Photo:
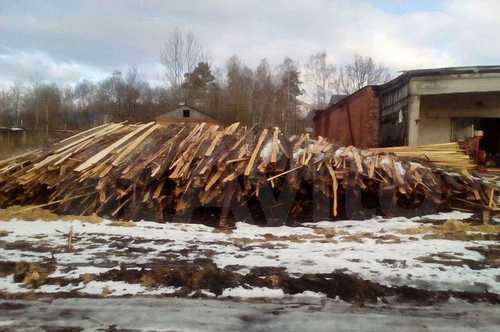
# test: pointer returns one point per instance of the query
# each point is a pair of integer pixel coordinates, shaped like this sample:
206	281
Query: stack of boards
446	154
132	171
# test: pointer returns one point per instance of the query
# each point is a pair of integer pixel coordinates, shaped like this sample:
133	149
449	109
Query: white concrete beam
446	85
413	119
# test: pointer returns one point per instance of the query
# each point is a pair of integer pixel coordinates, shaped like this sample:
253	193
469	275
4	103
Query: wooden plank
213	179
103	153
134	145
250	164
492	193
274	152
211	148
285	173
104	131
334	188
85	132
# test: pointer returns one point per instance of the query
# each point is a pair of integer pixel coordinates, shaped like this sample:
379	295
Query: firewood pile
203	172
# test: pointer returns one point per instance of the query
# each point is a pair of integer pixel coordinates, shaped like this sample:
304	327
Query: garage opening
482	136
490	142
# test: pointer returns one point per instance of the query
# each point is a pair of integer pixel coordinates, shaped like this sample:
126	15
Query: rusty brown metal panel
354	120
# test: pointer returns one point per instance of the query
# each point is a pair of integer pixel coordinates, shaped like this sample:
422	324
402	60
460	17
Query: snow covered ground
375	250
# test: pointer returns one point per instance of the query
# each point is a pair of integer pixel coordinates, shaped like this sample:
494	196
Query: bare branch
321	76
362	72
180	55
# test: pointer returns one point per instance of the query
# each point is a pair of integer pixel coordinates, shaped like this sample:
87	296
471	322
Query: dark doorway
491	140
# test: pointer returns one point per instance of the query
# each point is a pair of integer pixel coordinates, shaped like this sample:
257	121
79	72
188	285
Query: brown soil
204	274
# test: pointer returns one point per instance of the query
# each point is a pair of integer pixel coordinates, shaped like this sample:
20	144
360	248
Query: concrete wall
359	113
438	111
434	130
434	101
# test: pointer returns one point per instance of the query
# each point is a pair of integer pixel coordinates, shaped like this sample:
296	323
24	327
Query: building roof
336	98
185	108
409	74
341	99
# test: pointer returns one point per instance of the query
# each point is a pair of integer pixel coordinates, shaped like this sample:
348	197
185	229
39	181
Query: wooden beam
250	164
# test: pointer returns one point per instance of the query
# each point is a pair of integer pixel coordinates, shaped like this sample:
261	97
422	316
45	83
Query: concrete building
423	107
185	113
441	105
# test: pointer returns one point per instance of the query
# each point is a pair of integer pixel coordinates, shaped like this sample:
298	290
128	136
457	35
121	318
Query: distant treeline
241	95
263	95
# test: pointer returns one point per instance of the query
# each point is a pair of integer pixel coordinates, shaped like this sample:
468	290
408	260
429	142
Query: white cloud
38	66
65	41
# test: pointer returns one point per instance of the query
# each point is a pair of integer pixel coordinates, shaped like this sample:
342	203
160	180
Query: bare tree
321	77
239	90
264	94
181	53
361	72
289	88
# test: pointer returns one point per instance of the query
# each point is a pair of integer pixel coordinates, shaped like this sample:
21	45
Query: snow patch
113	288
253	292
310	294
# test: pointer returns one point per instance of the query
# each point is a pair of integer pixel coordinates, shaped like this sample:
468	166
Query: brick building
352	120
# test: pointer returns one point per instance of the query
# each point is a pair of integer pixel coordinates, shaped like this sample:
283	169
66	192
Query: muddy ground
427	262
298	314
202	278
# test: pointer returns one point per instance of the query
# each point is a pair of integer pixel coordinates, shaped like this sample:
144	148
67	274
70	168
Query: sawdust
329	232
451	227
123	223
147	280
32	274
92	219
87	277
298	238
28	213
358	237
106	291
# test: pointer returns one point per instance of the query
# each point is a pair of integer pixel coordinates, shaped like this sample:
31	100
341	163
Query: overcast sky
66	41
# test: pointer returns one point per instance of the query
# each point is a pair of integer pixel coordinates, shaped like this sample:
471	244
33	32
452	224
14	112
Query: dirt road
173	314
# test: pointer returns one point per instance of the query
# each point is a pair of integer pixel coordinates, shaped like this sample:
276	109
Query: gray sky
66	41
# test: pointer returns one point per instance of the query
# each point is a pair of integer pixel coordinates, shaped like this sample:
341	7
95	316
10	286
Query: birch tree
180	55
320	76
361	72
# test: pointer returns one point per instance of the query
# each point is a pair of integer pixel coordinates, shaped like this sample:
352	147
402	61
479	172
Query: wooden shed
185	113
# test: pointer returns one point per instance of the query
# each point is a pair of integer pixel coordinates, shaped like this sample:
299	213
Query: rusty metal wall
352	121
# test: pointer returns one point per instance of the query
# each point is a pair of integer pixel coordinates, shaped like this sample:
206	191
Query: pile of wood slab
203	172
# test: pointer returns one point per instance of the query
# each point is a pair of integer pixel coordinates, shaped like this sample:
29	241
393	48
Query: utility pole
287	99
17	108
47	119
